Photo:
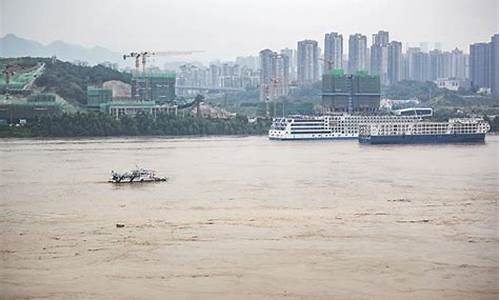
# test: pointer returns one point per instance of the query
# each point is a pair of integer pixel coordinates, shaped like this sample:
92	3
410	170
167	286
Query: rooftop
170	75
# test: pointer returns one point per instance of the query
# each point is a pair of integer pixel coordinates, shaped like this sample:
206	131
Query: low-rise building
131	108
42	97
453	84
391	103
13	110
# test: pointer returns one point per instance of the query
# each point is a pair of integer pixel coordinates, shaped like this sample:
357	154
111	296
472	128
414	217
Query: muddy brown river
248	218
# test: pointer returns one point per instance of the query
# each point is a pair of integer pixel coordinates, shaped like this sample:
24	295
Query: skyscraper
266	73
418	65
479	65
292	61
214	75
395	64
333	51
379	56
447	65
380	38
405	70
274	75
424	46
281	72
251	62
458	64
357	53
307	62
483	65
436	66
494	65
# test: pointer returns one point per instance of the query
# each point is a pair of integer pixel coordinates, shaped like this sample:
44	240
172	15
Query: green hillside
68	80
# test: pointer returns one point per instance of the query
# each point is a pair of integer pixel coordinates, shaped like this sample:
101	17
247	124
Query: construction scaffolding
97	96
157	87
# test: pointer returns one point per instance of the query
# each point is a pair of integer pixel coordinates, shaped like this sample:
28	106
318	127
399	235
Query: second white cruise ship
327	127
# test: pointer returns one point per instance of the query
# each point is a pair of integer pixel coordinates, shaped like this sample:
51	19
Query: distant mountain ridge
14	46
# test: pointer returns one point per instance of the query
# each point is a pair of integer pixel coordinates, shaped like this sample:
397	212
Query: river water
248	218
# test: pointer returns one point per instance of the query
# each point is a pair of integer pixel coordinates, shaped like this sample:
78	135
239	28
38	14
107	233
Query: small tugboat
137	175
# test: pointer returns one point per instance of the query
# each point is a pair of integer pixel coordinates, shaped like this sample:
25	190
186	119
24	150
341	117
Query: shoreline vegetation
93	125
104	125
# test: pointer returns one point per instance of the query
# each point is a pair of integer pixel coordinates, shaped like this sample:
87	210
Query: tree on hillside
70	81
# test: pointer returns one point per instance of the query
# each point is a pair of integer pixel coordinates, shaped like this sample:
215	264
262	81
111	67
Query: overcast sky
229	28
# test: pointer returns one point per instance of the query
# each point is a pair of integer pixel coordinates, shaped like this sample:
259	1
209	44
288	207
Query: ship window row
305	121
310	132
371	118
305	124
309	129
346	131
367	121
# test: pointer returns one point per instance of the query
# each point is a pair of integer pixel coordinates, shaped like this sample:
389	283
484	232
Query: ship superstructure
342	126
453	131
137	175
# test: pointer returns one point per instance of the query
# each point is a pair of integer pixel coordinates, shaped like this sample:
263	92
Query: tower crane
7	73
328	62
271	93
275	82
141	57
275	92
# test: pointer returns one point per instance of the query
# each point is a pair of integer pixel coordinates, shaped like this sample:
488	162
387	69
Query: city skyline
242	28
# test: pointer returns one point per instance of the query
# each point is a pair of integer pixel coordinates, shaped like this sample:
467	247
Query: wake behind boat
137	175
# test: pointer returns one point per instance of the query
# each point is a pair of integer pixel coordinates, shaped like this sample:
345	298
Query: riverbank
104	125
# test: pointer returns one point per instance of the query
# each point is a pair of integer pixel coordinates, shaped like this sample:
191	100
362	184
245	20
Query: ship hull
309	138
423	139
157	179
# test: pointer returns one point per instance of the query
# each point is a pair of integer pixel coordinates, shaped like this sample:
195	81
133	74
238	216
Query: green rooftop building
13	111
42	97
97	96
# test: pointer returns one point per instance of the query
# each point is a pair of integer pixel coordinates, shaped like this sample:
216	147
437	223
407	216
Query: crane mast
141	57
7	73
329	63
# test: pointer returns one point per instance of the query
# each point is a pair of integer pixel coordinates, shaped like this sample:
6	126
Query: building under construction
350	93
159	87
97	96
13	110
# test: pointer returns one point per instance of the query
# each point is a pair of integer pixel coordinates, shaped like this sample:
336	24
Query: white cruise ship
327	127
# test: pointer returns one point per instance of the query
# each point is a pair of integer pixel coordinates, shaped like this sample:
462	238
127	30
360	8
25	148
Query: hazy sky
229	28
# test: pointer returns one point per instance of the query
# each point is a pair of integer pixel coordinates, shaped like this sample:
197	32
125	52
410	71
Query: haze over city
226	29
